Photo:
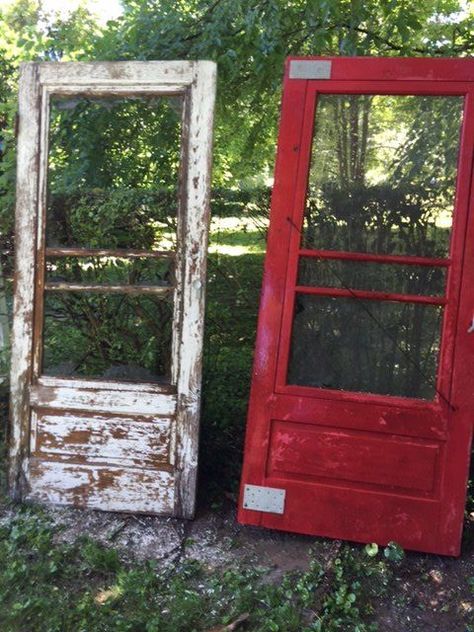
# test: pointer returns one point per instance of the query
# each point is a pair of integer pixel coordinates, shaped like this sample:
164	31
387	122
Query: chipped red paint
363	467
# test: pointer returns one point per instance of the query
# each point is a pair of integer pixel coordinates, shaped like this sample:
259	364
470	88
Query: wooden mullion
108	289
375	258
97	252
370	295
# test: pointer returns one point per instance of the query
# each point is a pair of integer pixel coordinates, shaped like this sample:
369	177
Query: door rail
104	252
370	295
55	286
366	256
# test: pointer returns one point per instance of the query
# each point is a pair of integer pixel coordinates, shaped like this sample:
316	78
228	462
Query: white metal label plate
269	499
310	69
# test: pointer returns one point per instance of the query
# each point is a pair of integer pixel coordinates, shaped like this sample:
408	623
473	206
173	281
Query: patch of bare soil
431	593
214	538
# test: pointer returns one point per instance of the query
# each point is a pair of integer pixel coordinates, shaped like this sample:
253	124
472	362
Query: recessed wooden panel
416	419
144	441
357	457
101	487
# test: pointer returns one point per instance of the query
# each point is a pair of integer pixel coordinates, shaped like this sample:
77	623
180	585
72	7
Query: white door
110	280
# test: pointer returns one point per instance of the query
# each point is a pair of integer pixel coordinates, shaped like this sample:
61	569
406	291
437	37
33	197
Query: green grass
55	587
238	236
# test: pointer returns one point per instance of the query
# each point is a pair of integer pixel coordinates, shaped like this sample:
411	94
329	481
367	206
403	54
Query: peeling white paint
77	424
101	487
201	113
25	224
127	440
103	400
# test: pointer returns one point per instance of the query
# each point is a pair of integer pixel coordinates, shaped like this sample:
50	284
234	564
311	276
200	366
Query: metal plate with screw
269	499
310	69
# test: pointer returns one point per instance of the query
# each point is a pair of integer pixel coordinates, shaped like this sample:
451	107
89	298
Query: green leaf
371	549
394	552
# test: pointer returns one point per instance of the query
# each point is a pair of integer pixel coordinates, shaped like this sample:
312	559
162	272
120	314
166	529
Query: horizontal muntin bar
108	289
122	253
366	256
370	295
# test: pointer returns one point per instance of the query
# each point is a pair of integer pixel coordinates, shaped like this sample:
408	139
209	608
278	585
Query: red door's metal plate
361	405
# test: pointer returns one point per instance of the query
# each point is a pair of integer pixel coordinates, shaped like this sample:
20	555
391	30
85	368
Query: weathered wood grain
120	440
107	252
197	193
156	73
40	173
25	240
158	388
4	322
103	400
101	487
91	420
57	286
121	89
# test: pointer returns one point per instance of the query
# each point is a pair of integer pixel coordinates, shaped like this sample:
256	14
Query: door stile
194	257
25	235
176	454
460	426
178	268
296	214
273	285
461	215
178	274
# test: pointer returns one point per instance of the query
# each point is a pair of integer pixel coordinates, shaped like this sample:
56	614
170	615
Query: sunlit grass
237	236
109	594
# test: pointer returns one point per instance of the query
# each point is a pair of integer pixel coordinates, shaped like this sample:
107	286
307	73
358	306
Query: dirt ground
429	593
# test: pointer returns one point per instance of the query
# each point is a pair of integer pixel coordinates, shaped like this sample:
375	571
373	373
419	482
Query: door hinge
269	499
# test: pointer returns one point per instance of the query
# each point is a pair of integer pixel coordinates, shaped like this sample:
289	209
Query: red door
362	400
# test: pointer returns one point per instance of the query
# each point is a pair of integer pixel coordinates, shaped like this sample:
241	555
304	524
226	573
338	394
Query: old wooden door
361	408
111	239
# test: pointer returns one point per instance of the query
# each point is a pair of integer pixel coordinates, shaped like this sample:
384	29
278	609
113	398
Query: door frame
269	390
195	81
